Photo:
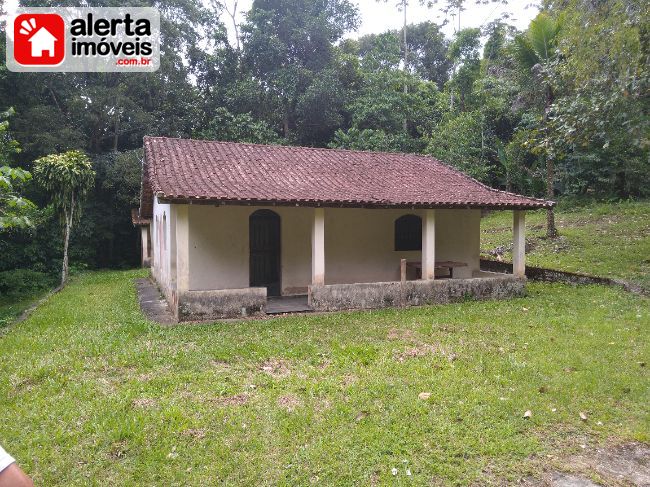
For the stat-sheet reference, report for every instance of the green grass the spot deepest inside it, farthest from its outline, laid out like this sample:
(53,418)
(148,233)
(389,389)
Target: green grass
(609,240)
(94,394)
(12,308)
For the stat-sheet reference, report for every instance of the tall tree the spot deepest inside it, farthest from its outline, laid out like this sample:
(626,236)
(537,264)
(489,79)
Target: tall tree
(67,178)
(287,44)
(536,52)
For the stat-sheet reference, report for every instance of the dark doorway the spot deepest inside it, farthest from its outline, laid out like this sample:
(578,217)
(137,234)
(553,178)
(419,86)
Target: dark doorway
(264,238)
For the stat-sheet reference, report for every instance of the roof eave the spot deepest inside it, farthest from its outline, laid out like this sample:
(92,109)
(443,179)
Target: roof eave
(536,205)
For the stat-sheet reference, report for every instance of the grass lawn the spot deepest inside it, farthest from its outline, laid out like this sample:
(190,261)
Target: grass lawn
(609,240)
(92,393)
(12,308)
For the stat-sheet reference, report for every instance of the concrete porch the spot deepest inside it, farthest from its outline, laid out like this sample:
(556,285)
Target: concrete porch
(324,259)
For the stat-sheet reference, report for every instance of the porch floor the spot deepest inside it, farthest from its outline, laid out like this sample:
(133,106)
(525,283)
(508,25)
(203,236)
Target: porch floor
(287,304)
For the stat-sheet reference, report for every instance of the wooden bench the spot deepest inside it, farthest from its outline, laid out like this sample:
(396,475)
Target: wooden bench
(443,264)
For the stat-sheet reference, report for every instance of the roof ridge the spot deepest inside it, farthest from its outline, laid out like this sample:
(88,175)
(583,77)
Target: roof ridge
(296,147)
(211,170)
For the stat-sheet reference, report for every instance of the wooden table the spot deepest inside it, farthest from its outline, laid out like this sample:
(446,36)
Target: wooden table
(443,264)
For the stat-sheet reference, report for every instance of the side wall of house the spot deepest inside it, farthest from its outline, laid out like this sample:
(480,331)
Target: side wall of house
(163,249)
(359,245)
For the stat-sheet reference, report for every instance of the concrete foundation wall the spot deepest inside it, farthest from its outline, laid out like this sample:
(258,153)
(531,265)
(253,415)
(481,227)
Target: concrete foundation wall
(224,303)
(414,293)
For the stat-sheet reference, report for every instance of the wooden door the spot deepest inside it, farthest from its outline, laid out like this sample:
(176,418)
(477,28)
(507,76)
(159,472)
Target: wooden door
(264,238)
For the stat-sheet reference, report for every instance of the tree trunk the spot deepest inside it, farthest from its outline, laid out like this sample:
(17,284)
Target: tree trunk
(551,231)
(406,69)
(66,241)
(285,124)
(116,135)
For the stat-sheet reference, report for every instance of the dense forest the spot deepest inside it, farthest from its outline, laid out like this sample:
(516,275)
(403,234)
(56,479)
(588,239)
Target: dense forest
(559,110)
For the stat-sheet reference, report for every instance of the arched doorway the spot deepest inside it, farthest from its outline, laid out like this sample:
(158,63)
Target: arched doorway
(264,239)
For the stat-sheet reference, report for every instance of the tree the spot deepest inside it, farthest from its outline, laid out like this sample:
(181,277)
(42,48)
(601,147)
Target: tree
(67,178)
(464,51)
(14,209)
(536,52)
(241,127)
(602,111)
(286,45)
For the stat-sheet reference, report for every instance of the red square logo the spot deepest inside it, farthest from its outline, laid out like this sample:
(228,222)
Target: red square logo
(39,39)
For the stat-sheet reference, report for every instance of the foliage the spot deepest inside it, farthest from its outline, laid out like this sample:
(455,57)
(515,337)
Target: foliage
(374,140)
(14,209)
(460,141)
(19,282)
(229,127)
(602,117)
(67,178)
(286,45)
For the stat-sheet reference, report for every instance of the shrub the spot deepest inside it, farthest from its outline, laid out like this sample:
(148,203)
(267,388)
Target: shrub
(20,282)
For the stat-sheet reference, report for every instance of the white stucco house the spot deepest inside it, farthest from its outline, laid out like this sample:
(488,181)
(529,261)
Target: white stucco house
(230,227)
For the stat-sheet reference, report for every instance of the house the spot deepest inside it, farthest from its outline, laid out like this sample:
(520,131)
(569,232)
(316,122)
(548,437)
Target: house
(231,227)
(42,41)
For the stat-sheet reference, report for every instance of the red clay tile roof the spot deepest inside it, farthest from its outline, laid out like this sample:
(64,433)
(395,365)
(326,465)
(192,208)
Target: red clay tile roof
(137,219)
(195,171)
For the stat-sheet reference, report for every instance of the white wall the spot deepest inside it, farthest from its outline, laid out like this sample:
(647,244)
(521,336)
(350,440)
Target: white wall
(359,245)
(219,254)
(161,243)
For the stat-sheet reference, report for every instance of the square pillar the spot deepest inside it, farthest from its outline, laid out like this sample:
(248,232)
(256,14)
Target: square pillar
(318,248)
(519,243)
(429,245)
(144,232)
(181,213)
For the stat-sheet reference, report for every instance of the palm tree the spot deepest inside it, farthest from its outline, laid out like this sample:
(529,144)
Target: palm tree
(536,50)
(67,178)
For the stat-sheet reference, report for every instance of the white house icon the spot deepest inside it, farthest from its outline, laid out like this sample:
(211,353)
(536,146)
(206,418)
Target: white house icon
(42,41)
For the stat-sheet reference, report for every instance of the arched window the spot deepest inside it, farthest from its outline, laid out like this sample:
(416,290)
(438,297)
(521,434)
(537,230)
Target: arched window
(408,233)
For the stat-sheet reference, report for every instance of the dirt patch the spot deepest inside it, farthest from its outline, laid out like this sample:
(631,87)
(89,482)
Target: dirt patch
(400,334)
(197,433)
(143,403)
(220,365)
(289,402)
(423,350)
(625,464)
(118,450)
(276,368)
(236,400)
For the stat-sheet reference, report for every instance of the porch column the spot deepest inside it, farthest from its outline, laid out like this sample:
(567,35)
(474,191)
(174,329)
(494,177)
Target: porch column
(318,248)
(144,232)
(519,243)
(182,247)
(429,245)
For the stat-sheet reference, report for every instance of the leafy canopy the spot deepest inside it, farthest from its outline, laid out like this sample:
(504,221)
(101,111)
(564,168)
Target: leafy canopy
(67,177)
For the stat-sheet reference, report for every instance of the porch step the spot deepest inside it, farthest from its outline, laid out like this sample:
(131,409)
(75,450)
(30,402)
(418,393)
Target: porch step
(287,304)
